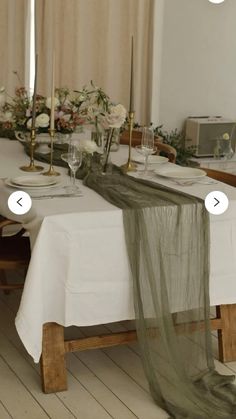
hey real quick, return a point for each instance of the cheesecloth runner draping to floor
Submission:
(167, 238)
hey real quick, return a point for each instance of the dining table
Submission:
(79, 271)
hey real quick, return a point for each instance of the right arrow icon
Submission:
(216, 202)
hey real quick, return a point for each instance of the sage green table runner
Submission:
(58, 150)
(167, 238)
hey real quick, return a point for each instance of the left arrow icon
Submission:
(18, 202)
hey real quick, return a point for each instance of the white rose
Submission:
(117, 116)
(49, 102)
(88, 146)
(42, 120)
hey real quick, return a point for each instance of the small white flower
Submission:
(88, 146)
(49, 102)
(42, 120)
(6, 117)
(93, 111)
(117, 116)
(82, 97)
(225, 136)
(66, 117)
(2, 96)
(59, 114)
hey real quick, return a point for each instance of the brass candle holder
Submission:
(130, 166)
(32, 167)
(51, 171)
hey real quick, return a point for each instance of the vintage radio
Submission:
(203, 132)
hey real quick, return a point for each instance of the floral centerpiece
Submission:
(100, 112)
(17, 114)
(90, 107)
(104, 117)
(95, 157)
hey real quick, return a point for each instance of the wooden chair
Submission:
(136, 140)
(14, 254)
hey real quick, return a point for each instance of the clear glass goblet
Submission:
(74, 161)
(147, 146)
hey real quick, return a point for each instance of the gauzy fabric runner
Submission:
(58, 150)
(167, 238)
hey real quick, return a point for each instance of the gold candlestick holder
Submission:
(32, 167)
(51, 171)
(130, 166)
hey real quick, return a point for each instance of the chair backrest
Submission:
(4, 222)
(136, 140)
(224, 177)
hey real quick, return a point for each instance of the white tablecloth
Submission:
(79, 273)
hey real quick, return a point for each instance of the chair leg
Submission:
(227, 335)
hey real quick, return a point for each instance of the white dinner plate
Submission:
(151, 159)
(180, 173)
(34, 181)
(43, 183)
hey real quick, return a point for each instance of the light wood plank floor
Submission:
(103, 384)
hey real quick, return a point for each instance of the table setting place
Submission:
(52, 186)
(39, 187)
(149, 165)
(160, 169)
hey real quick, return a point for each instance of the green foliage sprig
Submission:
(176, 139)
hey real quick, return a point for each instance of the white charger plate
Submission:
(180, 173)
(34, 181)
(27, 182)
(151, 159)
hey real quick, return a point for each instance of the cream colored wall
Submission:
(196, 73)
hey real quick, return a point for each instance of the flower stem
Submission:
(109, 140)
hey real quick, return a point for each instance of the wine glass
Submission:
(74, 160)
(147, 146)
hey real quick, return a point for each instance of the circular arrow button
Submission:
(216, 202)
(19, 202)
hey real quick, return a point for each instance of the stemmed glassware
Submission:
(147, 146)
(74, 160)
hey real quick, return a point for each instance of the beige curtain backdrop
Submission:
(13, 15)
(92, 41)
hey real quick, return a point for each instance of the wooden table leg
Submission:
(53, 368)
(227, 335)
